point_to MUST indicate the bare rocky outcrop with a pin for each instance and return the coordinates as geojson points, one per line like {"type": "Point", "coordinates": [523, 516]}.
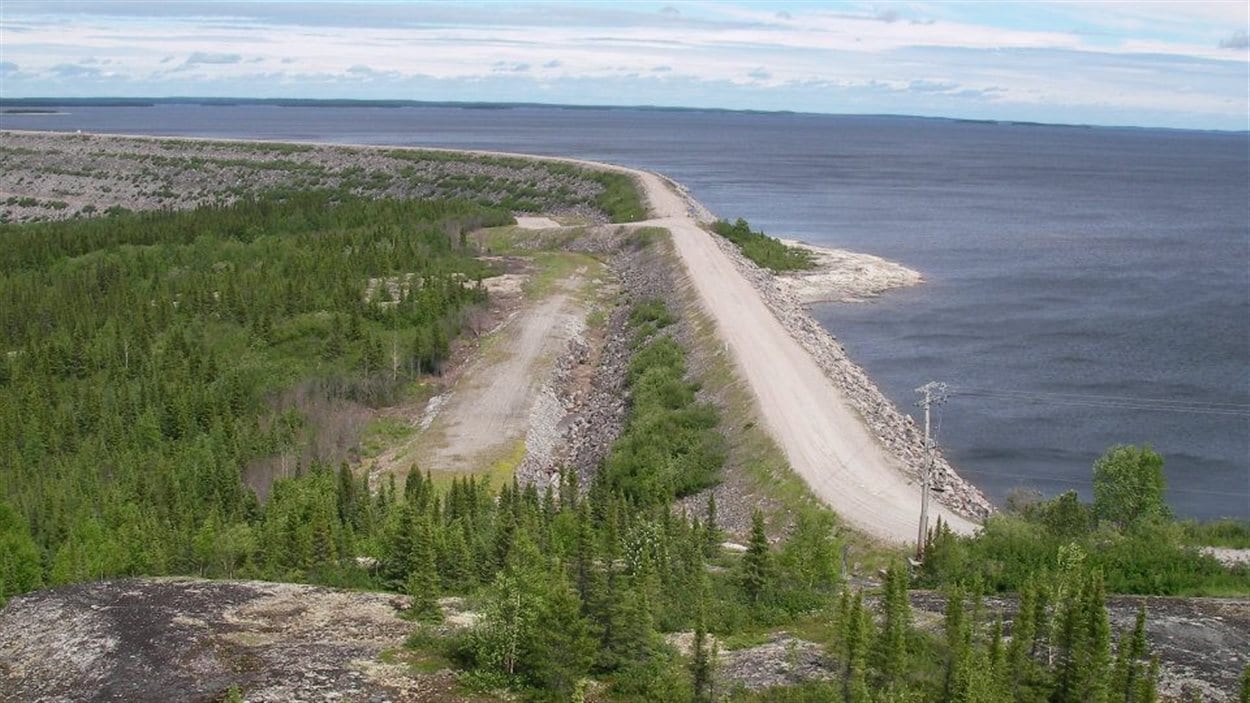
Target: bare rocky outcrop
{"type": "Point", "coordinates": [844, 276]}
{"type": "Point", "coordinates": [49, 176]}
{"type": "Point", "coordinates": [163, 640]}
{"type": "Point", "coordinates": [782, 661]}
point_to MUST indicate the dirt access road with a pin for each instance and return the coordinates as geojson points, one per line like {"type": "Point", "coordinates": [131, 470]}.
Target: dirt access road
{"type": "Point", "coordinates": [492, 410]}
{"type": "Point", "coordinates": [825, 440]}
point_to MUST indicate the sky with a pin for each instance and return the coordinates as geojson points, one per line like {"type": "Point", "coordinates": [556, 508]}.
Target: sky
{"type": "Point", "coordinates": [1182, 63]}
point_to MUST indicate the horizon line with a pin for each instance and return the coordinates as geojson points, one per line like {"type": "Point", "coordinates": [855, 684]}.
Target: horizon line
{"type": "Point", "coordinates": [149, 101]}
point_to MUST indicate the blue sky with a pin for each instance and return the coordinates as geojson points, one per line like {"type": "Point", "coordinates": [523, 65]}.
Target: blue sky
{"type": "Point", "coordinates": [1164, 63]}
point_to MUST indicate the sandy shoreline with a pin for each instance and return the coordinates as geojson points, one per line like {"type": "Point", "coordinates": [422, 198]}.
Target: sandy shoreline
{"type": "Point", "coordinates": [848, 442]}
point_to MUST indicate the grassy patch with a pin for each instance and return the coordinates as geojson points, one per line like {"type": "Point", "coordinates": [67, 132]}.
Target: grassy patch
{"type": "Point", "coordinates": [498, 469]}
{"type": "Point", "coordinates": [620, 199]}
{"type": "Point", "coordinates": [1234, 534]}
{"type": "Point", "coordinates": [552, 268]}
{"type": "Point", "coordinates": [382, 433]}
{"type": "Point", "coordinates": [670, 446]}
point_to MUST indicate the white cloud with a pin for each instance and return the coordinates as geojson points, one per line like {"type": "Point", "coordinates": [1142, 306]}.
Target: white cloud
{"type": "Point", "coordinates": [803, 58]}
{"type": "Point", "coordinates": [210, 57]}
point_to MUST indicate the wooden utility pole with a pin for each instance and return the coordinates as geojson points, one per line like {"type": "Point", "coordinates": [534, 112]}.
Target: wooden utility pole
{"type": "Point", "coordinates": [932, 393]}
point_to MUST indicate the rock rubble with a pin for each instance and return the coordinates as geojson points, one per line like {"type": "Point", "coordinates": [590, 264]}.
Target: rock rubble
{"type": "Point", "coordinates": [574, 425]}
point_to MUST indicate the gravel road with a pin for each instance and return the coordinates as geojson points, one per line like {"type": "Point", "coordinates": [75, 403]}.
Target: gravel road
{"type": "Point", "coordinates": [823, 437]}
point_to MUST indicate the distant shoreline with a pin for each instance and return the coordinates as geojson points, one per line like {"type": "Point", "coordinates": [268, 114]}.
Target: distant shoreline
{"type": "Point", "coordinates": [35, 101]}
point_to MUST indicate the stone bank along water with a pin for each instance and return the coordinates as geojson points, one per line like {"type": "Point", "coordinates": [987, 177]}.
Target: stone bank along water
{"type": "Point", "coordinates": [1060, 260]}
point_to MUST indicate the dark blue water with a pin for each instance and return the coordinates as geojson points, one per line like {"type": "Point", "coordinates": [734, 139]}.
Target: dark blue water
{"type": "Point", "coordinates": [1060, 260]}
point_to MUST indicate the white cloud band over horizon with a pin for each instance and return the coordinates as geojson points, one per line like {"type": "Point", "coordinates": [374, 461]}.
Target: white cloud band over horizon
{"type": "Point", "coordinates": [1165, 64]}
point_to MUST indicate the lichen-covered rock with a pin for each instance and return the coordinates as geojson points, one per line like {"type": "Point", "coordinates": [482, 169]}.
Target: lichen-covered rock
{"type": "Point", "coordinates": [172, 640]}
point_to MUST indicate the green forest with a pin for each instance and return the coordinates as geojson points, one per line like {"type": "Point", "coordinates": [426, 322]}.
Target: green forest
{"type": "Point", "coordinates": [145, 351]}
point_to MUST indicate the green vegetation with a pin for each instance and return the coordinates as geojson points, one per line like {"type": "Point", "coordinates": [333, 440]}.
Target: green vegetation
{"type": "Point", "coordinates": [152, 360]}
{"type": "Point", "coordinates": [1127, 532]}
{"type": "Point", "coordinates": [619, 198]}
{"type": "Point", "coordinates": [764, 250]}
{"type": "Point", "coordinates": [670, 447]}
{"type": "Point", "coordinates": [1234, 534]}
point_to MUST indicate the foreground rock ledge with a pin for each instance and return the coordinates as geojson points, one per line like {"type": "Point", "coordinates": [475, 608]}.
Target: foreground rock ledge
{"type": "Point", "coordinates": [174, 640]}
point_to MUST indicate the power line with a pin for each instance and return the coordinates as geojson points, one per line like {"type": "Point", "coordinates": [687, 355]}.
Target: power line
{"type": "Point", "coordinates": [1086, 482]}
{"type": "Point", "coordinates": [1104, 401]}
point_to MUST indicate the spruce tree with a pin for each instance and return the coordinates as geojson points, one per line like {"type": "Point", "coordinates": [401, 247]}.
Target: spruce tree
{"type": "Point", "coordinates": [583, 563]}
{"type": "Point", "coordinates": [711, 530]}
{"type": "Point", "coordinates": [958, 633]}
{"type": "Point", "coordinates": [423, 580]}
{"type": "Point", "coordinates": [1084, 644]}
{"type": "Point", "coordinates": [631, 638]}
{"type": "Point", "coordinates": [892, 645]}
{"type": "Point", "coordinates": [1131, 662]}
{"type": "Point", "coordinates": [756, 563]}
{"type": "Point", "coordinates": [857, 635]}
{"type": "Point", "coordinates": [457, 569]}
{"type": "Point", "coordinates": [400, 548]}
{"type": "Point", "coordinates": [1019, 662]}
{"type": "Point", "coordinates": [1096, 649]}
{"type": "Point", "coordinates": [701, 664]}
{"type": "Point", "coordinates": [561, 650]}
{"type": "Point", "coordinates": [1148, 691]}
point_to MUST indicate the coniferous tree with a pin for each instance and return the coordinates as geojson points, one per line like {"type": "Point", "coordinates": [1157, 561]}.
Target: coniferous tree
{"type": "Point", "coordinates": [958, 660]}
{"type": "Point", "coordinates": [1019, 663]}
{"type": "Point", "coordinates": [1096, 643]}
{"type": "Point", "coordinates": [1131, 662]}
{"type": "Point", "coordinates": [711, 530]}
{"type": "Point", "coordinates": [561, 650]}
{"type": "Point", "coordinates": [1148, 691]}
{"type": "Point", "coordinates": [401, 546]}
{"type": "Point", "coordinates": [701, 662]}
{"type": "Point", "coordinates": [20, 568]}
{"type": "Point", "coordinates": [856, 630]}
{"type": "Point", "coordinates": [756, 562]}
{"type": "Point", "coordinates": [456, 568]}
{"type": "Point", "coordinates": [1084, 645]}
{"type": "Point", "coordinates": [632, 638]}
{"type": "Point", "coordinates": [423, 579]}
{"type": "Point", "coordinates": [892, 645]}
